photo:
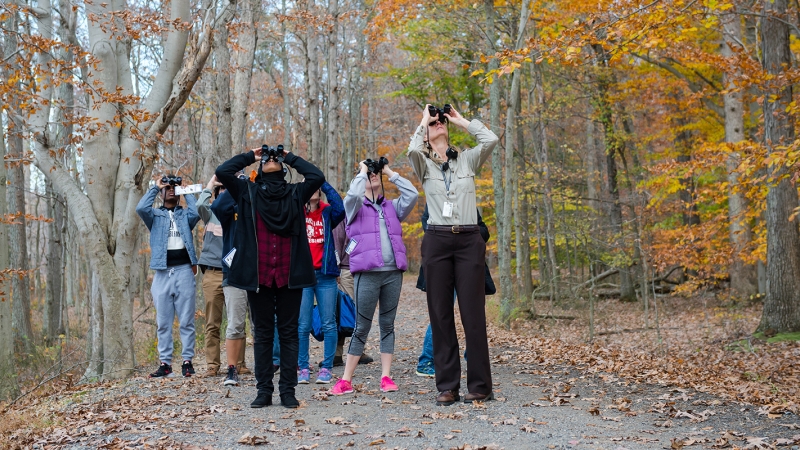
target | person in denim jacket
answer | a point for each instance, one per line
(321, 219)
(173, 258)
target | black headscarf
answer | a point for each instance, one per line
(276, 204)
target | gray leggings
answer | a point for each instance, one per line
(373, 288)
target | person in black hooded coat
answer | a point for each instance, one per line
(271, 260)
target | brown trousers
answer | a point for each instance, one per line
(456, 261)
(215, 304)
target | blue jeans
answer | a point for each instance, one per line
(426, 357)
(326, 292)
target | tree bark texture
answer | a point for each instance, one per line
(8, 373)
(781, 311)
(333, 153)
(248, 37)
(744, 277)
(15, 196)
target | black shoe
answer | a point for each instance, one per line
(164, 371)
(289, 401)
(337, 362)
(187, 369)
(262, 399)
(365, 359)
(233, 378)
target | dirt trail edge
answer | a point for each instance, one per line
(535, 408)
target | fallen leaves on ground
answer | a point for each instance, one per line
(249, 439)
(693, 353)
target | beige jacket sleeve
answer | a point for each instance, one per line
(487, 140)
(416, 153)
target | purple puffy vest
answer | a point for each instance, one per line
(365, 230)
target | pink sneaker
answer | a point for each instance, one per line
(387, 385)
(341, 387)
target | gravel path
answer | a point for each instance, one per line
(535, 408)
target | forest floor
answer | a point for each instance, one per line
(704, 384)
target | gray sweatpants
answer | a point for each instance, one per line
(173, 292)
(373, 289)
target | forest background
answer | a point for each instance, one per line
(648, 152)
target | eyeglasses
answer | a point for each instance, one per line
(437, 121)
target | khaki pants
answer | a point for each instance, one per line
(215, 304)
(346, 285)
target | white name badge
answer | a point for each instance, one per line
(447, 211)
(228, 259)
(351, 246)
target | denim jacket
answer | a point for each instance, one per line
(332, 216)
(157, 221)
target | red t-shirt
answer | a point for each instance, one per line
(315, 228)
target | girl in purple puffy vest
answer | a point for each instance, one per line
(377, 261)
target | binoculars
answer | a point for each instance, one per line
(272, 154)
(439, 113)
(172, 181)
(376, 167)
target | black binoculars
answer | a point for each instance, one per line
(376, 167)
(439, 113)
(272, 154)
(172, 181)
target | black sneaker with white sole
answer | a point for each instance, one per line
(187, 369)
(232, 379)
(164, 371)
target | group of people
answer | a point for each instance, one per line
(273, 249)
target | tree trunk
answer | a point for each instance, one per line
(8, 373)
(333, 153)
(591, 164)
(222, 82)
(613, 145)
(55, 266)
(524, 276)
(744, 277)
(686, 194)
(287, 105)
(541, 145)
(312, 92)
(248, 36)
(781, 311)
(15, 196)
(503, 257)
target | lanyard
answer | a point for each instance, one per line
(446, 181)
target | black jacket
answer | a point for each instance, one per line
(224, 207)
(243, 272)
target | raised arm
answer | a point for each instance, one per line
(145, 207)
(313, 177)
(355, 196)
(204, 205)
(226, 172)
(336, 204)
(487, 140)
(408, 195)
(224, 207)
(191, 211)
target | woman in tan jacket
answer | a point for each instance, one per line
(453, 251)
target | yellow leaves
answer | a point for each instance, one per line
(476, 72)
